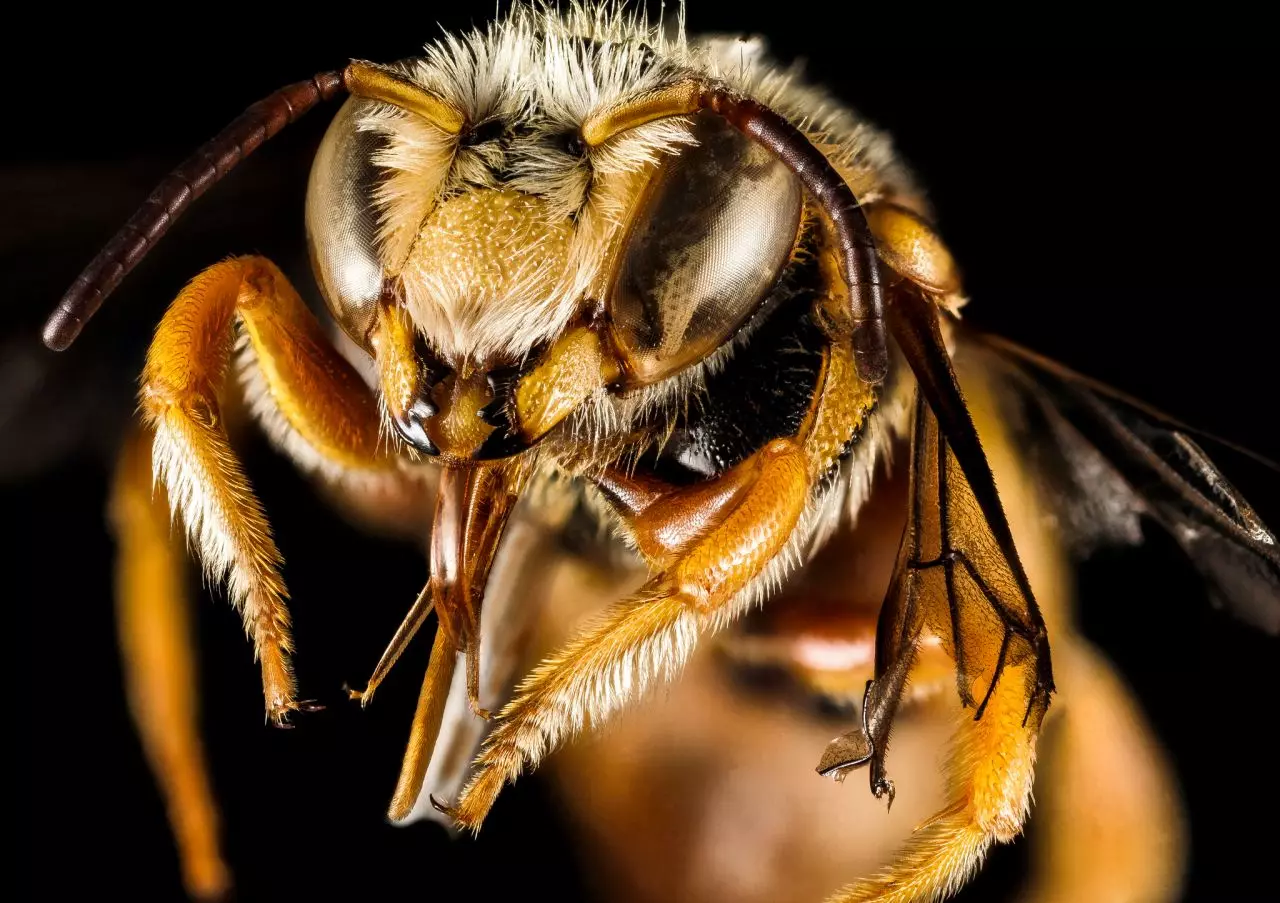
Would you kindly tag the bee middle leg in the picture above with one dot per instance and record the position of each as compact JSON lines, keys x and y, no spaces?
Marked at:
{"x":711,"y":542}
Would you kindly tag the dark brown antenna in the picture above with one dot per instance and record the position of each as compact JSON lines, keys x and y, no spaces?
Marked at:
{"x":171,"y":197}
{"x":858,"y":261}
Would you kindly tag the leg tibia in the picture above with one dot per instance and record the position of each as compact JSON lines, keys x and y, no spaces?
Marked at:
{"x":648,"y":638}
{"x":1109,"y":824}
{"x":209,"y":492}
{"x":638,"y":642}
{"x":157,"y":656}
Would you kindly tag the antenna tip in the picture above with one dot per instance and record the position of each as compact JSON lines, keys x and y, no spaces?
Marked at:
{"x":61,"y":329}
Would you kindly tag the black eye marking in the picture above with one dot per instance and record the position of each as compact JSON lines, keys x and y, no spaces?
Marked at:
{"x":489,"y":130}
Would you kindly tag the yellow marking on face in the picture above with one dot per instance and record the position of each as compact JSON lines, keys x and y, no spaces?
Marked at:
{"x":573,"y":369}
{"x":486,"y":263}
{"x":398,"y":369}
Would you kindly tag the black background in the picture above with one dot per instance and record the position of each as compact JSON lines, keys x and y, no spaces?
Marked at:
{"x":1122,"y":223}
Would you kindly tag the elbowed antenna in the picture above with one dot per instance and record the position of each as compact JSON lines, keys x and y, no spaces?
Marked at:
{"x":214,"y":160}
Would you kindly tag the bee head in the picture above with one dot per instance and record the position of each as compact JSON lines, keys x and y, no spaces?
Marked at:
{"x":516,"y":271}
{"x":474,"y":210}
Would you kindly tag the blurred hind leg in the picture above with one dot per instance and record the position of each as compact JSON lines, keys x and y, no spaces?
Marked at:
{"x":152,"y":610}
{"x":1109,"y":822}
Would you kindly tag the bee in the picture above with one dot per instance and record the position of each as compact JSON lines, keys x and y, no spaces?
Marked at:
{"x":600,"y":271}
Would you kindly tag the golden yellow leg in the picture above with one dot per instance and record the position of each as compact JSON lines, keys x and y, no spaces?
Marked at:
{"x":313,"y":402}
{"x":985,"y":623}
{"x":989,"y":776}
{"x":157,"y":655}
{"x":648,"y":638}
{"x":418,"y":613}
{"x":426,"y":725}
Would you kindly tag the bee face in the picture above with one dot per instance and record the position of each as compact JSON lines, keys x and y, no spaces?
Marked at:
{"x":496,"y":228}
{"x":487,"y":263}
{"x":495,"y":241}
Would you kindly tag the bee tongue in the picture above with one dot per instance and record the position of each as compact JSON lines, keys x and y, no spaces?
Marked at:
{"x":472,"y":506}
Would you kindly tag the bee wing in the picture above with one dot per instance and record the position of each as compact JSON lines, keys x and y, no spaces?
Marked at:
{"x":959,"y":577}
{"x":957,"y":580}
{"x":1108,"y":459}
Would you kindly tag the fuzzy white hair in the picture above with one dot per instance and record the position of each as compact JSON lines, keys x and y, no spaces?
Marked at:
{"x":543,"y":71}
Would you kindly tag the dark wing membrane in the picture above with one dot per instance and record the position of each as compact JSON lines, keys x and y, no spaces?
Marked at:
{"x":952,"y":579}
{"x":969,"y":590}
{"x":1109,"y":459}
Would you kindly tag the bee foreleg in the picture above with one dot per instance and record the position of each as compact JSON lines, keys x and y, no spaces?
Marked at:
{"x":327,"y":420}
{"x":158,"y":663}
{"x":740,"y":523}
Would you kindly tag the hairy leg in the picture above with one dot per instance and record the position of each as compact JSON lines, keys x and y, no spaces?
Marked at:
{"x":752,"y":511}
{"x":989,"y":776}
{"x":313,"y":403}
{"x":954,"y":583}
{"x":1109,"y":824}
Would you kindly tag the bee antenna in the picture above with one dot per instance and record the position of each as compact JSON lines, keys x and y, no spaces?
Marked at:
{"x":172,"y":196}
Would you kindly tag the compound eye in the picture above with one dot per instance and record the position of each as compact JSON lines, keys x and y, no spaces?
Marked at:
{"x":342,"y":222}
{"x":706,"y":244}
